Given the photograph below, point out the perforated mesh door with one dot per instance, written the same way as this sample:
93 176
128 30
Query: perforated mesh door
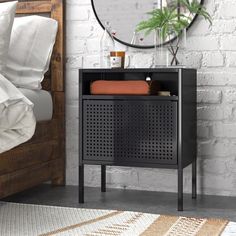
130 131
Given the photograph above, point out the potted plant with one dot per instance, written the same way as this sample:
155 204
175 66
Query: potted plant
170 22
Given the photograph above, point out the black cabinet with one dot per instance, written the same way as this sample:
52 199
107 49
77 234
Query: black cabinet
140 131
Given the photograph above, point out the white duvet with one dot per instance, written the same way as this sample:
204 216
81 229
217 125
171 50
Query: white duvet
17 120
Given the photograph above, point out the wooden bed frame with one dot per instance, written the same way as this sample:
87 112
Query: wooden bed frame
43 157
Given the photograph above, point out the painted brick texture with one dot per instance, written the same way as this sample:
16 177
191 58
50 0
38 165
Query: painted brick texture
213 51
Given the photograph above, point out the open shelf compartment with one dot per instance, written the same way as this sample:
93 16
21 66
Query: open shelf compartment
167 80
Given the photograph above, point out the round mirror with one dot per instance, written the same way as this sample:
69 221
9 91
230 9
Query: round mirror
123 16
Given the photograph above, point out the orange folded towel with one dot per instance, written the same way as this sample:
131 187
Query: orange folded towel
112 87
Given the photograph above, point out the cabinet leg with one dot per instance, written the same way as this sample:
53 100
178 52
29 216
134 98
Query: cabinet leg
81 184
194 179
180 189
103 178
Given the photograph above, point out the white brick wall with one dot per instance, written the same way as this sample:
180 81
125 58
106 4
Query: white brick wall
213 51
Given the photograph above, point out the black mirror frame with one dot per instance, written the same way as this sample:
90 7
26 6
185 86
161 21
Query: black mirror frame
131 45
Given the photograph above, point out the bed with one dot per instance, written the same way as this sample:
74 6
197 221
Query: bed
43 157
43 104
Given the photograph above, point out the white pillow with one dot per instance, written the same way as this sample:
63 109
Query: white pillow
7 13
30 50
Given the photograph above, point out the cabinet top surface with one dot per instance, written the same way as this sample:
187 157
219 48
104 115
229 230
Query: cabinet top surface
149 70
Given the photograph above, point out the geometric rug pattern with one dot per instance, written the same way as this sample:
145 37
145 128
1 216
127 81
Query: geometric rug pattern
32 220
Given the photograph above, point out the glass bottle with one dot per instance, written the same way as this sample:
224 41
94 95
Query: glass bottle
107 45
135 38
161 55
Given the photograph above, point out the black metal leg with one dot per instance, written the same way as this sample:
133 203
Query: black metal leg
103 178
81 184
180 189
194 179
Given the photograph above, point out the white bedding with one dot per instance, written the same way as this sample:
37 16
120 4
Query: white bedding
17 120
42 101
30 50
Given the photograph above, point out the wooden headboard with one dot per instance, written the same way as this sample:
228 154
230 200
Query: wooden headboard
43 157
54 79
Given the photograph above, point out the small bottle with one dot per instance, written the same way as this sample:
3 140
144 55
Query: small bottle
107 45
134 40
137 39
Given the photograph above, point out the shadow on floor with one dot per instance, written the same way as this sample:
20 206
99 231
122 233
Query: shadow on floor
130 200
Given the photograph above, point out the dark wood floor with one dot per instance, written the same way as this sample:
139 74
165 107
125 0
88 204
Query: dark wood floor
143 201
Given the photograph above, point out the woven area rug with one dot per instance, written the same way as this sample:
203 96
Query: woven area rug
27 220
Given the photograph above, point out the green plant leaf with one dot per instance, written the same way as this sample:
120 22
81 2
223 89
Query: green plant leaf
194 7
168 19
